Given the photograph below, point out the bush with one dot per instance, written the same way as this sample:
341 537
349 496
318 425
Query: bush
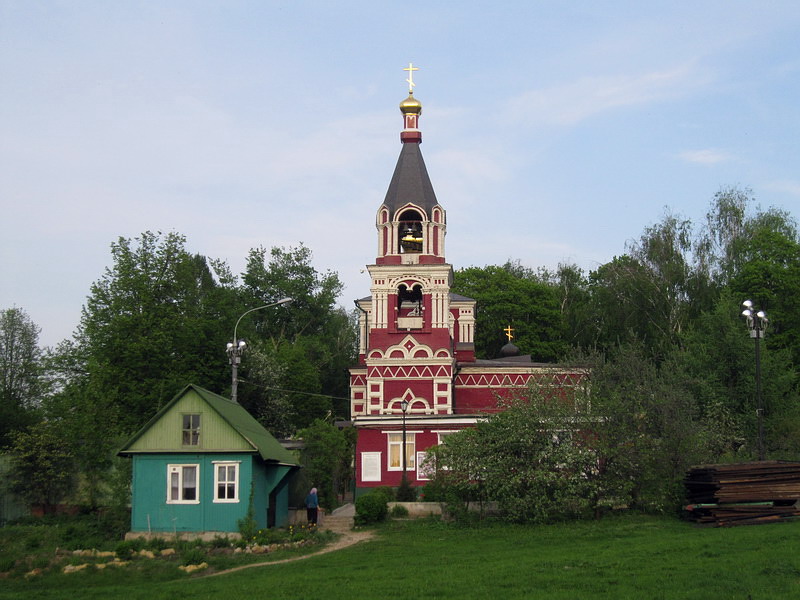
157 544
193 556
125 550
399 511
220 541
248 526
434 491
7 563
406 492
371 508
385 491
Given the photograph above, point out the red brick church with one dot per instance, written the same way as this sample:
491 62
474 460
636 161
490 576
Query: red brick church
417 364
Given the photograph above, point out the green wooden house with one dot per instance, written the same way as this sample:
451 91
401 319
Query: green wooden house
195 463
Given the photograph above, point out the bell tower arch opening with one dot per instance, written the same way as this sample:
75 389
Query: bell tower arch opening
411 232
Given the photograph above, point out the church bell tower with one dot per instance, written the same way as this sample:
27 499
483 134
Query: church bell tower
410 333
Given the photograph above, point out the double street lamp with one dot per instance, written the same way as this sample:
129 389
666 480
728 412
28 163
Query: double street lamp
757 323
237 346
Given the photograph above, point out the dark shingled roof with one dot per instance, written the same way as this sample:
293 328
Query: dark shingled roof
410 182
459 298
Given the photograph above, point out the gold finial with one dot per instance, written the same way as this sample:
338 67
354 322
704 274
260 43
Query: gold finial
509 333
410 68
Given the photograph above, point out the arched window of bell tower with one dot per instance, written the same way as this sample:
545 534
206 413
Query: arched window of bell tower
409 228
409 300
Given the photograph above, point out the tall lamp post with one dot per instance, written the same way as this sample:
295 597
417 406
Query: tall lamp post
404 408
237 346
757 323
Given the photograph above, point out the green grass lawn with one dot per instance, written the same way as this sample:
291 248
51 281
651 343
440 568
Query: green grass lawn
622 557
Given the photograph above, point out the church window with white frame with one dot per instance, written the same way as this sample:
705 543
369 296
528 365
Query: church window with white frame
395 441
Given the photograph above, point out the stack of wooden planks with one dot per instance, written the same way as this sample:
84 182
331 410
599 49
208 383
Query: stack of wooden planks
743 493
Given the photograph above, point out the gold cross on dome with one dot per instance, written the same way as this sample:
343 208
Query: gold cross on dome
509 333
410 68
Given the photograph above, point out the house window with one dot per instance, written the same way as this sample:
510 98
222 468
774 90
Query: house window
441 435
226 482
426 467
191 430
183 483
396 451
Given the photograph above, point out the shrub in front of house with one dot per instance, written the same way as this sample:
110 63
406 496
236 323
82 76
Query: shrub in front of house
386 491
406 492
399 511
371 508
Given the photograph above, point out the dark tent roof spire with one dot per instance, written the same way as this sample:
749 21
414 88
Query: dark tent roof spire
410 182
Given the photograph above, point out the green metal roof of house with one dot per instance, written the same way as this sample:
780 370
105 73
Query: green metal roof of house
236 417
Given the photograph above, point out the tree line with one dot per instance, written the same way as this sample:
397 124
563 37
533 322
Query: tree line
659 326
157 319
672 365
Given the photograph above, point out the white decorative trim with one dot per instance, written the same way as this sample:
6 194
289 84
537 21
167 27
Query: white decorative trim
393 420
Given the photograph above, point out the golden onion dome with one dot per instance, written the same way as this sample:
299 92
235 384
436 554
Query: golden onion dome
411 105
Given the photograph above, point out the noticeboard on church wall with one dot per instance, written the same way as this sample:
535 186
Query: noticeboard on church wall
370 466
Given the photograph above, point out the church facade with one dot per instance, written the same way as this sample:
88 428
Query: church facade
418 378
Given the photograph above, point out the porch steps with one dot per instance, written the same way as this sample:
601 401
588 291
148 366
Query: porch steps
340 520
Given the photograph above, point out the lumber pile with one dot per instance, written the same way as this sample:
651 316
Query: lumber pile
743 493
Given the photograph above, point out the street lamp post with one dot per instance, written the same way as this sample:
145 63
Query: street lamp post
757 323
404 408
237 346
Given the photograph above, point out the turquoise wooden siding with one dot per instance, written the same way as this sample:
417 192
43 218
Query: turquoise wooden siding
278 478
149 499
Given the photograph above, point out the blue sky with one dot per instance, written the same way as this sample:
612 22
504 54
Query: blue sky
553 132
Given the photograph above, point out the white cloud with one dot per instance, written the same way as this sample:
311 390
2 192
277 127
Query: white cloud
570 103
706 156
785 186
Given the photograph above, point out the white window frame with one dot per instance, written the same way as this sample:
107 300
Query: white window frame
411 450
440 435
178 470
226 464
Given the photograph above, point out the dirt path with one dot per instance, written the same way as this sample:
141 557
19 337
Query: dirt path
349 538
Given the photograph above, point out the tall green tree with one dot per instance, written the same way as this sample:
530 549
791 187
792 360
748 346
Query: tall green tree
22 381
718 363
768 272
508 295
151 324
308 344
42 472
327 457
